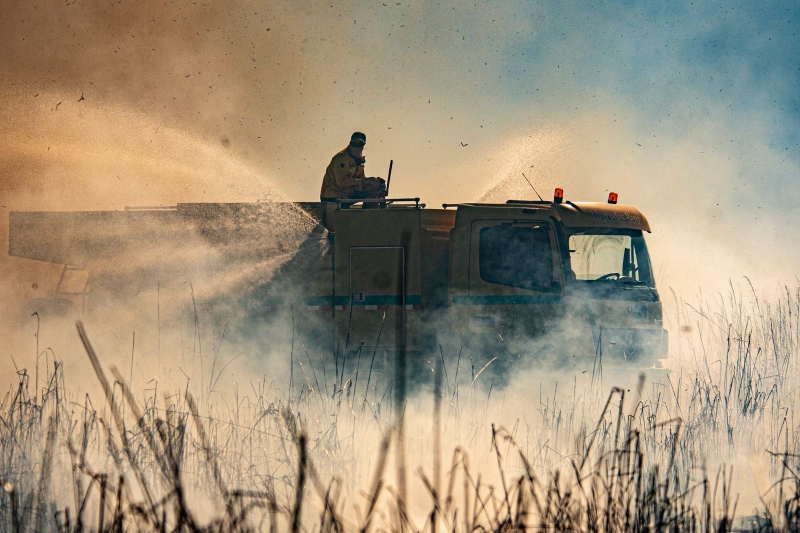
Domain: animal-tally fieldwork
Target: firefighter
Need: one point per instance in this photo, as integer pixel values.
(344, 177)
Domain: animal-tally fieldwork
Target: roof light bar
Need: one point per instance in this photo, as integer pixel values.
(558, 195)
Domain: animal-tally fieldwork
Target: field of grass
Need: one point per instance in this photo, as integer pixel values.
(345, 450)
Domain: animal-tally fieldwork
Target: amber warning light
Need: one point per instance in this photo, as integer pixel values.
(558, 196)
(612, 197)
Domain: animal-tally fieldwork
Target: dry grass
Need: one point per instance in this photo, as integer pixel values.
(635, 460)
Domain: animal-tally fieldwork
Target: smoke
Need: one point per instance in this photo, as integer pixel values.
(156, 267)
(689, 112)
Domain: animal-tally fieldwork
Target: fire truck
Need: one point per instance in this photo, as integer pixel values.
(557, 281)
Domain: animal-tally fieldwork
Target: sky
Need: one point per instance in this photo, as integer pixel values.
(690, 111)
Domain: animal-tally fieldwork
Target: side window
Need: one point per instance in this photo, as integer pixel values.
(517, 256)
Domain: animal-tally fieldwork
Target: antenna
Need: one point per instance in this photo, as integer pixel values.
(531, 184)
(389, 177)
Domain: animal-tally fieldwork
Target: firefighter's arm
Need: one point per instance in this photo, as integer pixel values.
(343, 177)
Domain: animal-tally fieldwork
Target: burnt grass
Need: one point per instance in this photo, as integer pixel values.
(121, 463)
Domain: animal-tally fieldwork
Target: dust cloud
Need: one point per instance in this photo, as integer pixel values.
(159, 269)
(108, 105)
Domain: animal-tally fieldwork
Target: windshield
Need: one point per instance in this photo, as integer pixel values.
(610, 259)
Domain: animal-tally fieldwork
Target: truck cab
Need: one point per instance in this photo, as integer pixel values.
(562, 282)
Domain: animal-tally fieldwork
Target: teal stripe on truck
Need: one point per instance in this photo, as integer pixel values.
(411, 299)
(507, 299)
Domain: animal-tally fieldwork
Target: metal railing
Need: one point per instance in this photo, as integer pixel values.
(350, 201)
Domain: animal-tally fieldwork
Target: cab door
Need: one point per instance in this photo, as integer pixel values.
(515, 282)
